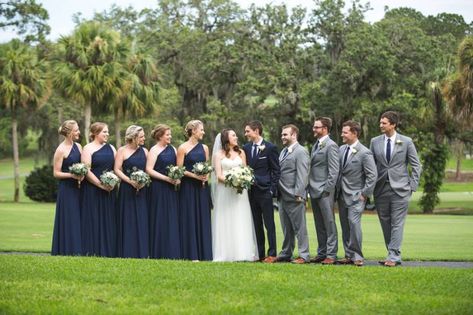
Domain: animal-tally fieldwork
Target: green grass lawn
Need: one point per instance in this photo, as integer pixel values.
(466, 165)
(89, 285)
(29, 226)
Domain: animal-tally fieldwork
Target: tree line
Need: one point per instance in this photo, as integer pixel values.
(213, 60)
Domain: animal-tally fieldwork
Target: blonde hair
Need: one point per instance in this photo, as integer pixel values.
(66, 128)
(95, 129)
(159, 130)
(191, 126)
(132, 133)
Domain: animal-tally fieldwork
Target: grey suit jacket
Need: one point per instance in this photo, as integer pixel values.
(358, 176)
(403, 154)
(324, 168)
(294, 173)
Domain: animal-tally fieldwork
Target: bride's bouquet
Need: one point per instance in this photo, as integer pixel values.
(109, 179)
(140, 177)
(202, 168)
(240, 178)
(176, 172)
(79, 169)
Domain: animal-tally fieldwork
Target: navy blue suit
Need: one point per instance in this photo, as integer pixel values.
(265, 165)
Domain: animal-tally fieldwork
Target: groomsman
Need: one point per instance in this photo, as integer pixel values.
(294, 162)
(262, 157)
(393, 153)
(355, 184)
(324, 168)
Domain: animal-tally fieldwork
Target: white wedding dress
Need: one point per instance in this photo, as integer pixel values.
(233, 233)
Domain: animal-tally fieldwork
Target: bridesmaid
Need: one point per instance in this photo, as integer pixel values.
(132, 197)
(66, 235)
(194, 197)
(163, 200)
(99, 218)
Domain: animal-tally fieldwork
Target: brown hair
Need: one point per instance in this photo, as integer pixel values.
(66, 127)
(225, 139)
(354, 126)
(255, 124)
(325, 121)
(132, 133)
(159, 130)
(294, 128)
(95, 129)
(392, 116)
(191, 125)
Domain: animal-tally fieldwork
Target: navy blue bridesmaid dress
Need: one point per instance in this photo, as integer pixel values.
(194, 213)
(163, 211)
(66, 234)
(133, 209)
(99, 213)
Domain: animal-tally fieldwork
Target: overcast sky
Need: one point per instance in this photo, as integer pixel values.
(61, 11)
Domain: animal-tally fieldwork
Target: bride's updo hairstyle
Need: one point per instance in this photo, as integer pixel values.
(95, 129)
(191, 126)
(159, 131)
(66, 128)
(132, 133)
(224, 138)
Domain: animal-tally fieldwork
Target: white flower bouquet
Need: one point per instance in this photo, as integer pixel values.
(141, 177)
(175, 172)
(202, 168)
(79, 169)
(240, 178)
(109, 179)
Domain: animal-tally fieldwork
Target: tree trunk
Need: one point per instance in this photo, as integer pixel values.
(87, 116)
(118, 125)
(458, 174)
(16, 156)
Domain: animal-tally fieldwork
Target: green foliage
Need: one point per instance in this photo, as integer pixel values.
(434, 160)
(41, 185)
(26, 17)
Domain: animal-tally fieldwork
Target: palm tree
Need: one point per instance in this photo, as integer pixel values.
(90, 67)
(22, 85)
(459, 89)
(139, 91)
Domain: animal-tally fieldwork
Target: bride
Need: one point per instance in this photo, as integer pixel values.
(233, 235)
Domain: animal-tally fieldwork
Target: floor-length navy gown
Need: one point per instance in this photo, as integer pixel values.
(99, 213)
(194, 213)
(163, 211)
(66, 234)
(133, 209)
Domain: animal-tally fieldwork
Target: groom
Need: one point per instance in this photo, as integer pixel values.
(262, 157)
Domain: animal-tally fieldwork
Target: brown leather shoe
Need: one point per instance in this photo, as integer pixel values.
(328, 261)
(270, 259)
(317, 259)
(389, 263)
(358, 263)
(345, 261)
(282, 260)
(299, 261)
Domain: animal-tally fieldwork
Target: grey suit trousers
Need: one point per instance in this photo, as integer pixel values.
(325, 226)
(392, 212)
(293, 222)
(350, 220)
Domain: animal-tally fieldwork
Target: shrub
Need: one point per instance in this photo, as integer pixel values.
(41, 185)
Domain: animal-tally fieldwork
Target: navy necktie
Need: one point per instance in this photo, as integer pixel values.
(316, 146)
(284, 153)
(388, 150)
(345, 157)
(254, 151)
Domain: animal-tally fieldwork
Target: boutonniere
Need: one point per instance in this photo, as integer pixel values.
(261, 147)
(322, 145)
(398, 142)
(289, 150)
(353, 151)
